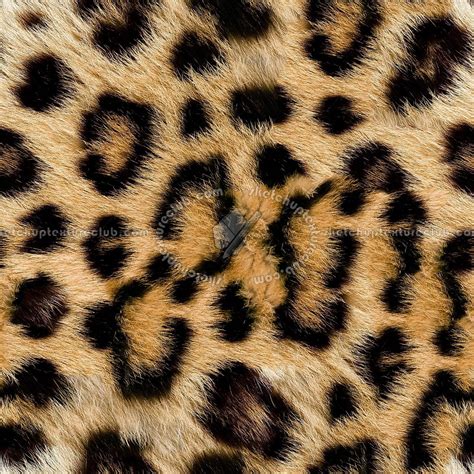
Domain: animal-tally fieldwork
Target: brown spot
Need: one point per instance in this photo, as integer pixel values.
(245, 411)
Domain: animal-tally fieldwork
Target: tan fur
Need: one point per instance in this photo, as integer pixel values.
(168, 428)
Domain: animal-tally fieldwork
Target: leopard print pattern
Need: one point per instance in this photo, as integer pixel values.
(236, 236)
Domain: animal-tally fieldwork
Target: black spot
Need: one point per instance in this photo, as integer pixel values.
(275, 165)
(345, 251)
(101, 324)
(406, 243)
(155, 381)
(139, 119)
(257, 106)
(195, 118)
(331, 319)
(130, 291)
(279, 241)
(238, 19)
(225, 204)
(443, 389)
(332, 314)
(194, 175)
(460, 147)
(213, 266)
(405, 207)
(103, 328)
(38, 306)
(395, 178)
(459, 142)
(336, 114)
(87, 7)
(456, 293)
(47, 83)
(194, 53)
(318, 10)
(320, 191)
(239, 313)
(49, 227)
(344, 458)
(319, 48)
(19, 168)
(362, 159)
(38, 381)
(159, 269)
(450, 340)
(119, 40)
(20, 444)
(457, 257)
(105, 249)
(235, 392)
(279, 238)
(106, 451)
(434, 50)
(467, 446)
(396, 294)
(216, 463)
(185, 290)
(341, 402)
(382, 360)
(33, 20)
(102, 321)
(463, 179)
(371, 166)
(352, 201)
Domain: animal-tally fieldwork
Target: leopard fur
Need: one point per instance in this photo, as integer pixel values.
(336, 335)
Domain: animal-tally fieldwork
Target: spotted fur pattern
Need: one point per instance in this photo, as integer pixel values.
(337, 337)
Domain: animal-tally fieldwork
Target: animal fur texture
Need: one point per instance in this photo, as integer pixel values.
(236, 236)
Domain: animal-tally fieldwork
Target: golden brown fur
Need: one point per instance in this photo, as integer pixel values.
(271, 369)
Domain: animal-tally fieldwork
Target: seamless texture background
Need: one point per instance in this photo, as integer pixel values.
(236, 236)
